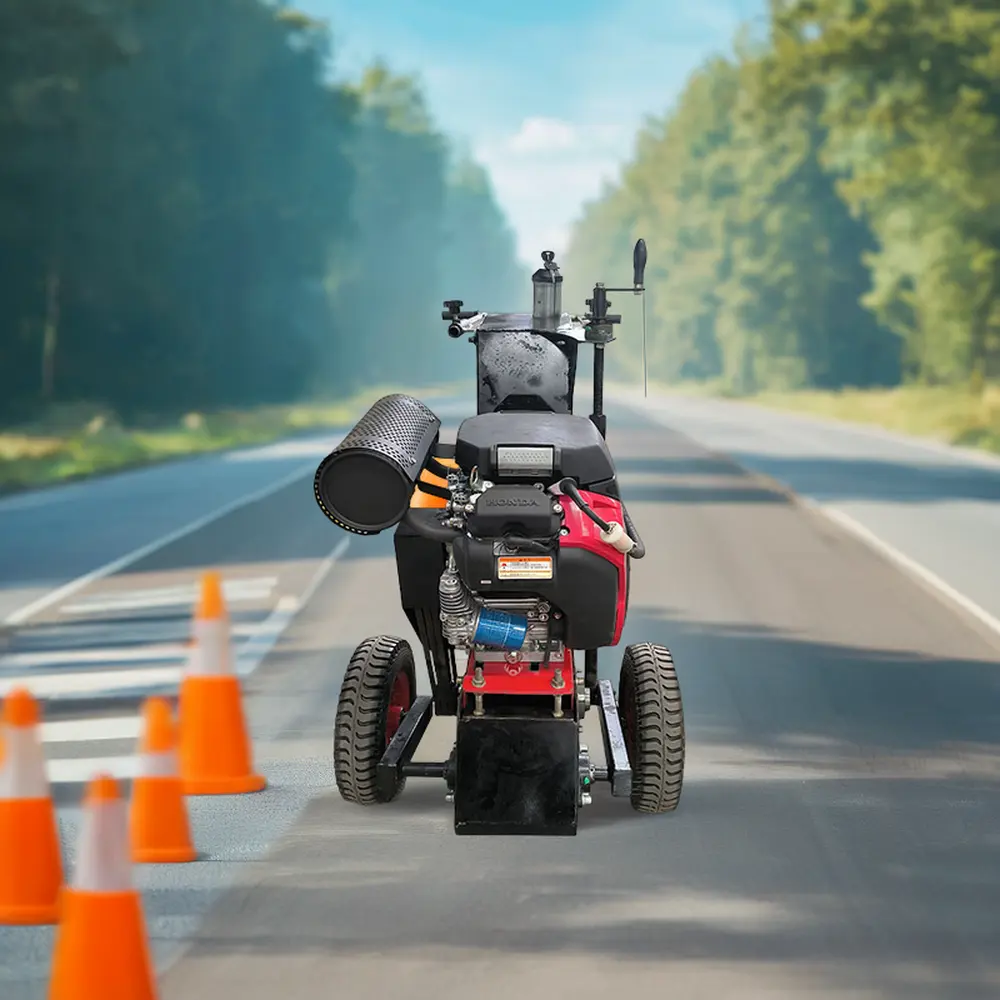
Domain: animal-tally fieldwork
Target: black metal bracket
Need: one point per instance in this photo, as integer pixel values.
(619, 770)
(399, 752)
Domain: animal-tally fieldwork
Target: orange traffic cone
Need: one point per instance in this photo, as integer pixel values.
(158, 819)
(101, 949)
(215, 756)
(31, 870)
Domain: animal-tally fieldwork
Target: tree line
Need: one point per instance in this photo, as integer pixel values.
(192, 215)
(822, 207)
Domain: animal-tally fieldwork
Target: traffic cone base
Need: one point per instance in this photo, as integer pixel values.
(101, 952)
(160, 832)
(226, 786)
(215, 755)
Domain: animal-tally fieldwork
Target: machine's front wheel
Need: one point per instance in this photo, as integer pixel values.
(652, 718)
(379, 688)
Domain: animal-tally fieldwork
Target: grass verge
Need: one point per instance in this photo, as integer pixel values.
(948, 414)
(75, 443)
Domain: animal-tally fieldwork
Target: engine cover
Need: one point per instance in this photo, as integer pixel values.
(581, 584)
(518, 510)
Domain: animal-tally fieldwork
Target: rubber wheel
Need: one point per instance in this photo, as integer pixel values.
(379, 688)
(652, 718)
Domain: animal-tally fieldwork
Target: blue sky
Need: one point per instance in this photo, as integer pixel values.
(547, 95)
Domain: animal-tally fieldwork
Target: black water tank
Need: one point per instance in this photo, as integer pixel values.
(364, 485)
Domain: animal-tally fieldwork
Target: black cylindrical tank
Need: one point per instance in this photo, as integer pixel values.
(364, 485)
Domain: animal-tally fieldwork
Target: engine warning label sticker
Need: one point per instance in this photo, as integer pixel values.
(524, 567)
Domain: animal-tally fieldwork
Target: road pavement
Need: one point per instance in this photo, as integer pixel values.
(837, 832)
(934, 509)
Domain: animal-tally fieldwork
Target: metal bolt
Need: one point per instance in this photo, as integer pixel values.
(557, 508)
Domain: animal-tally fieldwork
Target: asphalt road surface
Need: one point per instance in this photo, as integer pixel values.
(839, 831)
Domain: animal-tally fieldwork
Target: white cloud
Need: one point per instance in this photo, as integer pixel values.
(542, 186)
(543, 135)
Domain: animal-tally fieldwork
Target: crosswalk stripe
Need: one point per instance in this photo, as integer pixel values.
(73, 662)
(235, 591)
(123, 727)
(50, 639)
(69, 657)
(92, 682)
(69, 770)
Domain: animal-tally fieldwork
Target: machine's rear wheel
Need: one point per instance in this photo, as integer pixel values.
(379, 688)
(652, 718)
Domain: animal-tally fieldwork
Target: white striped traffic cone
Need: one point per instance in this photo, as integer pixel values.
(216, 756)
(158, 819)
(31, 870)
(101, 949)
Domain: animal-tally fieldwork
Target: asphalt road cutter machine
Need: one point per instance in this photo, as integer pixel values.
(513, 550)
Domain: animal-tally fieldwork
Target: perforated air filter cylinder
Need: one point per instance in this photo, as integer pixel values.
(364, 485)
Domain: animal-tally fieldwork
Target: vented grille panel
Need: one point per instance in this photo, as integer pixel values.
(394, 426)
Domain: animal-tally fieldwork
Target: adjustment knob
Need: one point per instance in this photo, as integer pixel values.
(548, 256)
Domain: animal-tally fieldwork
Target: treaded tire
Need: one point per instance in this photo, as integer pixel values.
(379, 669)
(652, 718)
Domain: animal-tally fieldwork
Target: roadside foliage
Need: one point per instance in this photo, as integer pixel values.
(192, 215)
(822, 208)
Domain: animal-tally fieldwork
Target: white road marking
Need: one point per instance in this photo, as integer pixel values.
(93, 683)
(123, 727)
(904, 562)
(116, 565)
(68, 770)
(253, 652)
(59, 658)
(49, 673)
(235, 592)
(317, 448)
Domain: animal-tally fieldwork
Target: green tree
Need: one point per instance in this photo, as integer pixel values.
(191, 215)
(913, 100)
(822, 209)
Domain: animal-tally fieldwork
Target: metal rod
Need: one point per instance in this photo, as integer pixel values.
(598, 418)
(427, 770)
(645, 392)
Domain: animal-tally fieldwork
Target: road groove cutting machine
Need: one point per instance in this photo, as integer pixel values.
(513, 551)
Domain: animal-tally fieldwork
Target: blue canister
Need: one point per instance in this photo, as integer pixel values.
(500, 629)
